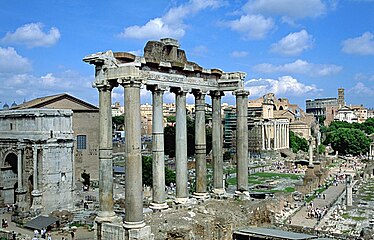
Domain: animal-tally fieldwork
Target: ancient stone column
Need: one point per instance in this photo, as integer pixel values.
(242, 139)
(348, 190)
(275, 135)
(268, 136)
(158, 163)
(20, 168)
(36, 194)
(20, 191)
(288, 136)
(181, 147)
(217, 156)
(263, 136)
(133, 157)
(106, 213)
(310, 151)
(200, 145)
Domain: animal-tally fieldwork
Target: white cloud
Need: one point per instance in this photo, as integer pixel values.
(300, 67)
(285, 85)
(11, 62)
(252, 26)
(32, 35)
(171, 24)
(292, 9)
(239, 54)
(363, 77)
(200, 50)
(293, 44)
(361, 89)
(16, 87)
(363, 45)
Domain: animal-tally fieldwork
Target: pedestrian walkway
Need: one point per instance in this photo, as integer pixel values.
(301, 218)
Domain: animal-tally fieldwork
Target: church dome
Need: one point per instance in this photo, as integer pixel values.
(5, 106)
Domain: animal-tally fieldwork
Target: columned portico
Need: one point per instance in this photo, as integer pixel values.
(242, 140)
(106, 212)
(200, 145)
(158, 165)
(163, 64)
(133, 157)
(181, 146)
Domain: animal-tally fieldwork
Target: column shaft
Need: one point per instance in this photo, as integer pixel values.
(263, 135)
(133, 158)
(275, 135)
(310, 152)
(181, 146)
(158, 166)
(242, 140)
(35, 174)
(217, 143)
(105, 153)
(20, 168)
(200, 143)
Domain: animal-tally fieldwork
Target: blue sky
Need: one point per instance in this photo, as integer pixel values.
(298, 49)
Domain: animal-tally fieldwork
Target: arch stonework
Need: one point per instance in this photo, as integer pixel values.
(164, 66)
(27, 142)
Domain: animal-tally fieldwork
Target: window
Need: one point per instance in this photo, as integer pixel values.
(81, 142)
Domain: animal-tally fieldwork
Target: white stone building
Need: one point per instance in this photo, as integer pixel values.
(37, 159)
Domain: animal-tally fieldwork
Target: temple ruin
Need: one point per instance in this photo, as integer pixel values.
(164, 67)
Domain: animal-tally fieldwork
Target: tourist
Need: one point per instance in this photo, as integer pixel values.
(43, 232)
(36, 233)
(49, 236)
(72, 235)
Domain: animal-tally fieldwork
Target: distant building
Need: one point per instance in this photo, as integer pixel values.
(346, 114)
(318, 106)
(269, 121)
(85, 123)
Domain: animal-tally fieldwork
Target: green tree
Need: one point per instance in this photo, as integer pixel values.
(349, 141)
(118, 121)
(170, 176)
(147, 174)
(321, 149)
(169, 139)
(298, 143)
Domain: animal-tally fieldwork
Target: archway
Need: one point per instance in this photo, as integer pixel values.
(12, 160)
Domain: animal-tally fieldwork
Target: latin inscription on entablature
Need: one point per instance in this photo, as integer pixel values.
(176, 80)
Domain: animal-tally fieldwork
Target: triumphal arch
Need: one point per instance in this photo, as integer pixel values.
(164, 67)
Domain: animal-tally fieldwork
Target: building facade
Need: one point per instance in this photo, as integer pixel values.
(37, 159)
(85, 123)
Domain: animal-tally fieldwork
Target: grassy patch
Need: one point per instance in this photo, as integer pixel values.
(289, 189)
(270, 175)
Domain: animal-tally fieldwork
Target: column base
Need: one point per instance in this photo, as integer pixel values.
(158, 206)
(218, 191)
(134, 225)
(143, 233)
(201, 196)
(108, 216)
(36, 200)
(242, 195)
(21, 200)
(180, 200)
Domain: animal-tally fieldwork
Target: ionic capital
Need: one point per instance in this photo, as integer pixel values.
(156, 88)
(179, 91)
(241, 93)
(131, 83)
(199, 94)
(216, 94)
